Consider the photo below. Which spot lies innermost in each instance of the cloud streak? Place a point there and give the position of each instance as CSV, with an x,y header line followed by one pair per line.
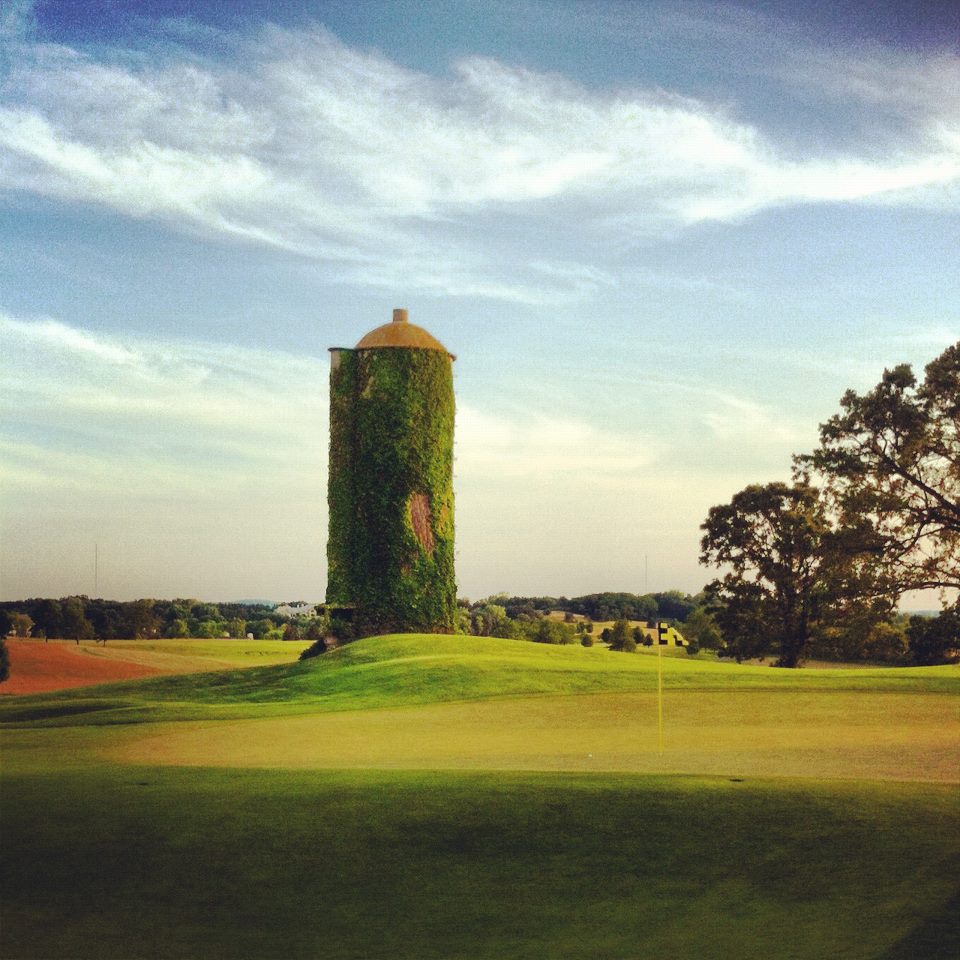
x,y
540,447
303,143
150,418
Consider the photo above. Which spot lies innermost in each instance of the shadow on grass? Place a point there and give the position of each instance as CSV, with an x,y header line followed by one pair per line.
x,y
937,938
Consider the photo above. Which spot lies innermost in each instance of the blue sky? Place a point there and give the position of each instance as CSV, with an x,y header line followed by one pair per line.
x,y
662,239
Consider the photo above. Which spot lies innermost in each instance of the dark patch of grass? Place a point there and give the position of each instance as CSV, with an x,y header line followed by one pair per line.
x,y
59,710
164,862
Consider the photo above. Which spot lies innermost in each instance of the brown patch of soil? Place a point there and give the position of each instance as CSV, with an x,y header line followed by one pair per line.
x,y
38,667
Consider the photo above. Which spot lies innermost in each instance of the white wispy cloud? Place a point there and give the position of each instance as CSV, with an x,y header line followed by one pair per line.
x,y
303,143
730,417
86,410
913,87
538,446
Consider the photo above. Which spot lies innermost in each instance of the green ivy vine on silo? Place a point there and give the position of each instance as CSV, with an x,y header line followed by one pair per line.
x,y
392,417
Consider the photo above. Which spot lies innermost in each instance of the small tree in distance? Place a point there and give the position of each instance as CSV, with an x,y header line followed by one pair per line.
x,y
621,636
701,628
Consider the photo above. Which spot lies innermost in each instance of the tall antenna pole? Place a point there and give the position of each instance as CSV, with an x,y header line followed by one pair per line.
x,y
645,573
96,569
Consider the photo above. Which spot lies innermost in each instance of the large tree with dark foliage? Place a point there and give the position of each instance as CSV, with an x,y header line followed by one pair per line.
x,y
786,576
890,463
934,639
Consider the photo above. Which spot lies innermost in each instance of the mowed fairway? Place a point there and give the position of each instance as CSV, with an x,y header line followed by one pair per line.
x,y
440,797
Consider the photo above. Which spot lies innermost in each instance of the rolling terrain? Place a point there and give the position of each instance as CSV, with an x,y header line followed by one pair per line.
x,y
426,796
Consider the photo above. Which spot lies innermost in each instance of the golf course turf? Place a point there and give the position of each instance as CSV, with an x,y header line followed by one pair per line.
x,y
437,797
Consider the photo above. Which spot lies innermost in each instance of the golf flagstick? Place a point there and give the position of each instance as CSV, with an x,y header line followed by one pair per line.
x,y
659,697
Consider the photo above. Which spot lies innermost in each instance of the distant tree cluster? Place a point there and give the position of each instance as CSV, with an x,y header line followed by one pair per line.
x,y
488,618
819,565
491,618
83,618
670,605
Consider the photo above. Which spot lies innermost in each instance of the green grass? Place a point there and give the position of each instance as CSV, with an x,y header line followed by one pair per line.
x,y
162,862
108,859
241,651
408,669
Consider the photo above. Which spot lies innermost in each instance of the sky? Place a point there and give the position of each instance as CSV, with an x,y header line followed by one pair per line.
x,y
661,238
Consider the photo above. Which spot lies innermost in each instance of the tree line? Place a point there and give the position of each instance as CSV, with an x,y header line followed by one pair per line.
x,y
85,618
669,605
821,563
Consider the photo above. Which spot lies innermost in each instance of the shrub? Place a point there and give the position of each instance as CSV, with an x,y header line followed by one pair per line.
x,y
549,631
4,660
338,628
586,640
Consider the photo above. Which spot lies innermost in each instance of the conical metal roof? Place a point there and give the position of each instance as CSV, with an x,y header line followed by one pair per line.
x,y
401,333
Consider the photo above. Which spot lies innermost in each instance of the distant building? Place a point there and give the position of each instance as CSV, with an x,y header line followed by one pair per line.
x,y
298,608
390,546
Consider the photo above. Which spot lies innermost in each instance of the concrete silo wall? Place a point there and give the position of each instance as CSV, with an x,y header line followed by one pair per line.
x,y
391,546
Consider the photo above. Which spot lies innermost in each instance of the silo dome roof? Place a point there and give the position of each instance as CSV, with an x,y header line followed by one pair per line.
x,y
401,333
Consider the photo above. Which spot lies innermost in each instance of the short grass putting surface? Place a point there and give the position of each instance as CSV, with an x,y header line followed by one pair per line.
x,y
212,815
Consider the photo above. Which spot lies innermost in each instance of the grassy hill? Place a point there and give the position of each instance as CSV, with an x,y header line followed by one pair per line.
x,y
406,669
494,809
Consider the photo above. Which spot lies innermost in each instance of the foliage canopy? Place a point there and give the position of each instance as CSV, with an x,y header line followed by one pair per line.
x,y
772,537
890,461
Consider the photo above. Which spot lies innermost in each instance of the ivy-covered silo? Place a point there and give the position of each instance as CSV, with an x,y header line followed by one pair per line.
x,y
390,548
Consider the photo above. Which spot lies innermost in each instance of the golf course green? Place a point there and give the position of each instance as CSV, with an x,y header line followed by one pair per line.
x,y
444,797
